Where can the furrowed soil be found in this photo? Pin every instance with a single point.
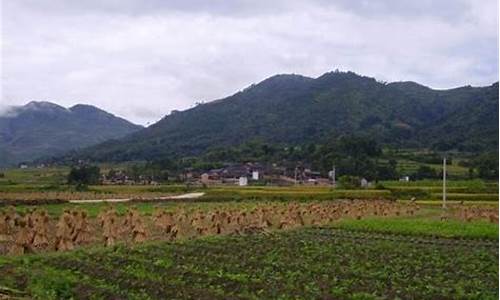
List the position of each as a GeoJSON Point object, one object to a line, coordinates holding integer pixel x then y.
{"type": "Point", "coordinates": [307, 263]}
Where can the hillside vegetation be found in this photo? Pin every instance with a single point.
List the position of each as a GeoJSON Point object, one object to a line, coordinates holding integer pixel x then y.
{"type": "Point", "coordinates": [296, 110]}
{"type": "Point", "coordinates": [43, 128]}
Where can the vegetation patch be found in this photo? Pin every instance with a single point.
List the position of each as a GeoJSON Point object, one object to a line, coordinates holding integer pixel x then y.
{"type": "Point", "coordinates": [309, 263]}
{"type": "Point", "coordinates": [426, 227]}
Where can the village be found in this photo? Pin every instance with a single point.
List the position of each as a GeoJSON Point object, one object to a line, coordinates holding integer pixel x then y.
{"type": "Point", "coordinates": [247, 174]}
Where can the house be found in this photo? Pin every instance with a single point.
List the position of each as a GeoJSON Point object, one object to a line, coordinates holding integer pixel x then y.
{"type": "Point", "coordinates": [309, 174]}
{"type": "Point", "coordinates": [232, 173]}
{"type": "Point", "coordinates": [404, 179]}
{"type": "Point", "coordinates": [235, 171]}
{"type": "Point", "coordinates": [364, 183]}
{"type": "Point", "coordinates": [215, 174]}
{"type": "Point", "coordinates": [205, 178]}
{"type": "Point", "coordinates": [243, 181]}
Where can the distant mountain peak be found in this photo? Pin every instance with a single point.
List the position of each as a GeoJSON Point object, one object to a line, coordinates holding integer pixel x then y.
{"type": "Point", "coordinates": [80, 106]}
{"type": "Point", "coordinates": [42, 105]}
{"type": "Point", "coordinates": [344, 76]}
{"type": "Point", "coordinates": [42, 128]}
{"type": "Point", "coordinates": [86, 108]}
{"type": "Point", "coordinates": [284, 77]}
{"type": "Point", "coordinates": [279, 82]}
{"type": "Point", "coordinates": [408, 85]}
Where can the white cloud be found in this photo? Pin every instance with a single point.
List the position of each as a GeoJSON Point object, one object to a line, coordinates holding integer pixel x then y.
{"type": "Point", "coordinates": [142, 59]}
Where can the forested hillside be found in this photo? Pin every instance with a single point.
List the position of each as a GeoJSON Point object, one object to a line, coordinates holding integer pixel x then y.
{"type": "Point", "coordinates": [296, 110]}
{"type": "Point", "coordinates": [43, 128]}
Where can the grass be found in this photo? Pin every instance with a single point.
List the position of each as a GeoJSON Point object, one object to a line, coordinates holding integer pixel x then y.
{"type": "Point", "coordinates": [310, 263]}
{"type": "Point", "coordinates": [476, 183]}
{"type": "Point", "coordinates": [406, 166]}
{"type": "Point", "coordinates": [93, 209]}
{"type": "Point", "coordinates": [467, 197]}
{"type": "Point", "coordinates": [439, 202]}
{"type": "Point", "coordinates": [47, 185]}
{"type": "Point", "coordinates": [424, 227]}
{"type": "Point", "coordinates": [291, 194]}
{"type": "Point", "coordinates": [56, 175]}
{"type": "Point", "coordinates": [145, 208]}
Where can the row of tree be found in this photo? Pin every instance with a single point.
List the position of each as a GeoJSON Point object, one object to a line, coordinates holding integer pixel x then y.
{"type": "Point", "coordinates": [351, 155]}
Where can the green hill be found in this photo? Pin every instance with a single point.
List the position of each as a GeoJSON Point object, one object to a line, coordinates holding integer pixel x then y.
{"type": "Point", "coordinates": [293, 109]}
{"type": "Point", "coordinates": [43, 128]}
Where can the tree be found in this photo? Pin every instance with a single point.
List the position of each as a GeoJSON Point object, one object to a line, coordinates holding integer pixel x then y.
{"type": "Point", "coordinates": [111, 173]}
{"type": "Point", "coordinates": [487, 166]}
{"type": "Point", "coordinates": [84, 175]}
{"type": "Point", "coordinates": [349, 182]}
{"type": "Point", "coordinates": [356, 156]}
{"type": "Point", "coordinates": [425, 172]}
{"type": "Point", "coordinates": [387, 171]}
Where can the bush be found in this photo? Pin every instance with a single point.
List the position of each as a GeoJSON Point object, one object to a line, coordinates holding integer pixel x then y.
{"type": "Point", "coordinates": [349, 182]}
{"type": "Point", "coordinates": [80, 187]}
{"type": "Point", "coordinates": [425, 172]}
{"type": "Point", "coordinates": [84, 175]}
{"type": "Point", "coordinates": [487, 166]}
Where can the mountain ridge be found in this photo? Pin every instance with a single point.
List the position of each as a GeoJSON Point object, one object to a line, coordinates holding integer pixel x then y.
{"type": "Point", "coordinates": [42, 128]}
{"type": "Point", "coordinates": [293, 109]}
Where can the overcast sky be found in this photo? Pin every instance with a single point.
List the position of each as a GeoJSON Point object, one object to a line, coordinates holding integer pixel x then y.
{"type": "Point", "coordinates": [140, 59]}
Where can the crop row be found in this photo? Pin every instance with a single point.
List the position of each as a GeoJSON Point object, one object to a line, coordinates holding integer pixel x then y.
{"type": "Point", "coordinates": [307, 263]}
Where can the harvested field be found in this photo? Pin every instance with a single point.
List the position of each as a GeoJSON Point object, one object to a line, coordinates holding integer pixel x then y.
{"type": "Point", "coordinates": [36, 231]}
{"type": "Point", "coordinates": [306, 263]}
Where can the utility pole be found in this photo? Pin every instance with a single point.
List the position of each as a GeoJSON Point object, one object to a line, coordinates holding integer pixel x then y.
{"type": "Point", "coordinates": [444, 183]}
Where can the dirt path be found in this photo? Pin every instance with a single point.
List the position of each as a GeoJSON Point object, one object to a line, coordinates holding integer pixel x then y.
{"type": "Point", "coordinates": [183, 196]}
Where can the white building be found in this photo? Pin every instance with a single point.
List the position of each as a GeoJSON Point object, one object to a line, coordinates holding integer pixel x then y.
{"type": "Point", "coordinates": [255, 175]}
{"type": "Point", "coordinates": [243, 181]}
{"type": "Point", "coordinates": [364, 183]}
{"type": "Point", "coordinates": [205, 178]}
{"type": "Point", "coordinates": [404, 179]}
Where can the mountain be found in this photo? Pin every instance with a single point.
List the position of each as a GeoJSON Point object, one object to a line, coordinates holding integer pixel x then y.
{"type": "Point", "coordinates": [42, 128]}
{"type": "Point", "coordinates": [293, 109]}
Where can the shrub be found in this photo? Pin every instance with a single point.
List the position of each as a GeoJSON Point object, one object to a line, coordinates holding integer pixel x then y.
{"type": "Point", "coordinates": [349, 182]}
{"type": "Point", "coordinates": [425, 172]}
{"type": "Point", "coordinates": [84, 175]}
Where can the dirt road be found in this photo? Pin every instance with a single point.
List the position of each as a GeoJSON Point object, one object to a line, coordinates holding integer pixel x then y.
{"type": "Point", "coordinates": [183, 196]}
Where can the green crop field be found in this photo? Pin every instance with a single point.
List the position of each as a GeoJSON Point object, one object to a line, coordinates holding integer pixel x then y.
{"type": "Point", "coordinates": [348, 262]}
{"type": "Point", "coordinates": [410, 256]}
{"type": "Point", "coordinates": [410, 167]}
{"type": "Point", "coordinates": [49, 183]}
{"type": "Point", "coordinates": [426, 227]}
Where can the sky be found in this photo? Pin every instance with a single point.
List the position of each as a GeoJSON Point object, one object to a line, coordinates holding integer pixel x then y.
{"type": "Point", "coordinates": [141, 59]}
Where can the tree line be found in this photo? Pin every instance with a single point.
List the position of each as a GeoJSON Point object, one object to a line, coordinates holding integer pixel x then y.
{"type": "Point", "coordinates": [351, 155]}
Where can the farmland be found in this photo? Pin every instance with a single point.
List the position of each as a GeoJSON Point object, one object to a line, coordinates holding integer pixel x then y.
{"type": "Point", "coordinates": [312, 262]}
{"type": "Point", "coordinates": [36, 231]}
{"type": "Point", "coordinates": [49, 185]}
{"type": "Point", "coordinates": [305, 242]}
